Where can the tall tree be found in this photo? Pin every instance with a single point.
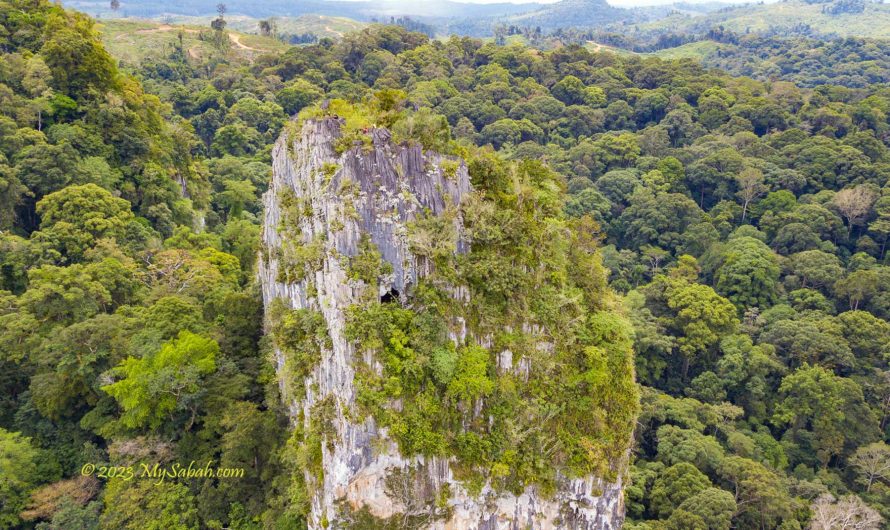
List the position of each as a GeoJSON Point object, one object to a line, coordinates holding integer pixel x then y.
{"type": "Point", "coordinates": [855, 204]}
{"type": "Point", "coordinates": [751, 186]}
{"type": "Point", "coordinates": [872, 463]}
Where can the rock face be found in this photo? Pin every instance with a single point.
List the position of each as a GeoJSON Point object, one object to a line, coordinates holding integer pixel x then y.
{"type": "Point", "coordinates": [377, 190]}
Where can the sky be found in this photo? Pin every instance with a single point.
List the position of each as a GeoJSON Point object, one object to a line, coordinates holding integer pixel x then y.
{"type": "Point", "coordinates": [617, 3]}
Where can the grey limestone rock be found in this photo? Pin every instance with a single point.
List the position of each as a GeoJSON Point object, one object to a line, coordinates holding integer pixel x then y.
{"type": "Point", "coordinates": [377, 190]}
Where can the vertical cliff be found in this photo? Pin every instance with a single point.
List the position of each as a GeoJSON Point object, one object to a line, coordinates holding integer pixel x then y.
{"type": "Point", "coordinates": [340, 240]}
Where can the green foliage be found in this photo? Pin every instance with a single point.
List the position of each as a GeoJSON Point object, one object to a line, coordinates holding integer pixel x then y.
{"type": "Point", "coordinates": [749, 275]}
{"type": "Point", "coordinates": [515, 256]}
{"type": "Point", "coordinates": [300, 260]}
{"type": "Point", "coordinates": [114, 275]}
{"type": "Point", "coordinates": [697, 315]}
{"type": "Point", "coordinates": [300, 334]}
{"type": "Point", "coordinates": [367, 265]}
{"type": "Point", "coordinates": [128, 218]}
{"type": "Point", "coordinates": [826, 413]}
{"type": "Point", "coordinates": [72, 220]}
{"type": "Point", "coordinates": [163, 383]}
{"type": "Point", "coordinates": [20, 471]}
{"type": "Point", "coordinates": [676, 485]}
{"type": "Point", "coordinates": [714, 506]}
{"type": "Point", "coordinates": [144, 505]}
{"type": "Point", "coordinates": [298, 95]}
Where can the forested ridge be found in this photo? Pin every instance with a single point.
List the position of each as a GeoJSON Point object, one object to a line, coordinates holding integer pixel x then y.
{"type": "Point", "coordinates": [806, 61]}
{"type": "Point", "coordinates": [743, 222]}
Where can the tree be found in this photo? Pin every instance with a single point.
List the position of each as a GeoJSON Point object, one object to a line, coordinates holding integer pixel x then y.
{"type": "Point", "coordinates": [810, 338]}
{"type": "Point", "coordinates": [701, 317]}
{"type": "Point", "coordinates": [115, 5]}
{"type": "Point", "coordinates": [70, 362]}
{"type": "Point", "coordinates": [11, 193]}
{"type": "Point", "coordinates": [265, 117]}
{"type": "Point", "coordinates": [760, 494]}
{"type": "Point", "coordinates": [658, 219]}
{"type": "Point", "coordinates": [19, 473]}
{"type": "Point", "coordinates": [36, 81]}
{"type": "Point", "coordinates": [238, 196]}
{"type": "Point", "coordinates": [825, 412]}
{"type": "Point", "coordinates": [749, 275]}
{"type": "Point", "coordinates": [249, 440]}
{"type": "Point", "coordinates": [589, 201]}
{"type": "Point", "coordinates": [571, 91]}
{"type": "Point", "coordinates": [268, 27]}
{"type": "Point", "coordinates": [750, 184]}
{"type": "Point", "coordinates": [880, 227]}
{"type": "Point", "coordinates": [236, 139]}
{"type": "Point", "coordinates": [715, 506]}
{"type": "Point", "coordinates": [681, 519]}
{"type": "Point", "coordinates": [168, 381]}
{"type": "Point", "coordinates": [707, 387]}
{"type": "Point", "coordinates": [847, 513]}
{"type": "Point", "coordinates": [855, 204]}
{"type": "Point", "coordinates": [45, 168]}
{"type": "Point", "coordinates": [471, 381]}
{"type": "Point", "coordinates": [50, 499]}
{"type": "Point", "coordinates": [145, 505]}
{"type": "Point", "coordinates": [713, 174]}
{"type": "Point", "coordinates": [64, 295]}
{"type": "Point", "coordinates": [674, 486]}
{"type": "Point", "coordinates": [677, 445]}
{"type": "Point", "coordinates": [78, 61]}
{"type": "Point", "coordinates": [297, 95]}
{"type": "Point", "coordinates": [749, 373]}
{"type": "Point", "coordinates": [815, 268]}
{"type": "Point", "coordinates": [867, 335]}
{"type": "Point", "coordinates": [73, 219]}
{"type": "Point", "coordinates": [502, 132]}
{"type": "Point", "coordinates": [857, 287]}
{"type": "Point", "coordinates": [872, 463]}
{"type": "Point", "coordinates": [73, 516]}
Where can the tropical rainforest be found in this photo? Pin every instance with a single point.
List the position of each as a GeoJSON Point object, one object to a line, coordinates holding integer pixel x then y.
{"type": "Point", "coordinates": [743, 223]}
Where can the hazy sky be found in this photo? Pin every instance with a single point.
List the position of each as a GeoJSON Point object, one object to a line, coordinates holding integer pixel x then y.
{"type": "Point", "coordinates": [635, 3]}
{"type": "Point", "coordinates": [620, 3]}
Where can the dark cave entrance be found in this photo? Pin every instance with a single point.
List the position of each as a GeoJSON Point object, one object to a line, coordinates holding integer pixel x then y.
{"type": "Point", "coordinates": [390, 296]}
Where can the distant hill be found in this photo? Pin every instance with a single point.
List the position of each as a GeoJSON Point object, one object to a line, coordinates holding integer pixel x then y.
{"type": "Point", "coordinates": [836, 18]}
{"type": "Point", "coordinates": [850, 62]}
{"type": "Point", "coordinates": [318, 25]}
{"type": "Point", "coordinates": [572, 13]}
{"type": "Point", "coordinates": [813, 18]}
{"type": "Point", "coordinates": [131, 41]}
{"type": "Point", "coordinates": [359, 10]}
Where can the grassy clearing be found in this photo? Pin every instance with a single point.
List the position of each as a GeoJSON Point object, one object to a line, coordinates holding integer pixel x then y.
{"type": "Point", "coordinates": [131, 41]}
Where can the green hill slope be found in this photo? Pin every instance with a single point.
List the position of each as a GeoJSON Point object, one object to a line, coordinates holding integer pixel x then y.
{"type": "Point", "coordinates": [131, 41]}
{"type": "Point", "coordinates": [792, 15]}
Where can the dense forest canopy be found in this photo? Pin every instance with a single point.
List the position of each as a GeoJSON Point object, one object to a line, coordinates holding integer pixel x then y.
{"type": "Point", "coordinates": [744, 223]}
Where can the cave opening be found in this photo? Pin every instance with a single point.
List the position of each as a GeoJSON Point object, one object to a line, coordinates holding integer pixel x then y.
{"type": "Point", "coordinates": [390, 296]}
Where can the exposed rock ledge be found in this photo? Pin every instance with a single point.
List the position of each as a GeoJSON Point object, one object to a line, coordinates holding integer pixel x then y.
{"type": "Point", "coordinates": [363, 470]}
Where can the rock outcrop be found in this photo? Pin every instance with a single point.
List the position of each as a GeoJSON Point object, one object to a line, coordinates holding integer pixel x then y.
{"type": "Point", "coordinates": [376, 190]}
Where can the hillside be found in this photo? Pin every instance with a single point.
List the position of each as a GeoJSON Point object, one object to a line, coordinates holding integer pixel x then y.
{"type": "Point", "coordinates": [358, 10]}
{"type": "Point", "coordinates": [789, 16]}
{"type": "Point", "coordinates": [131, 41]}
{"type": "Point", "coordinates": [850, 62]}
{"type": "Point", "coordinates": [318, 25]}
{"type": "Point", "coordinates": [572, 13]}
